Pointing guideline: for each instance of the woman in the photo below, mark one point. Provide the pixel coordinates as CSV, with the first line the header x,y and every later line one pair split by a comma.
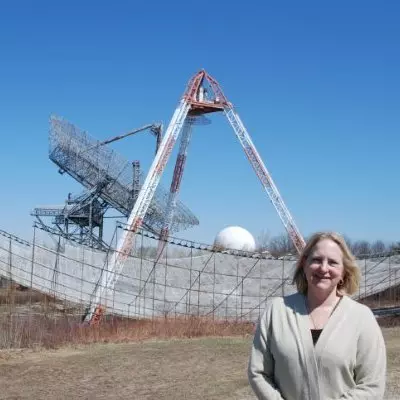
x,y
319,344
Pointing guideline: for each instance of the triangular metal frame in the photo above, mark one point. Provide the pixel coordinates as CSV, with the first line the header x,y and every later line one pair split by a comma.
x,y
195,101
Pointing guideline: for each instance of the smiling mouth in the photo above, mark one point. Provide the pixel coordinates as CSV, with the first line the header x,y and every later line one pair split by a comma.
x,y
321,277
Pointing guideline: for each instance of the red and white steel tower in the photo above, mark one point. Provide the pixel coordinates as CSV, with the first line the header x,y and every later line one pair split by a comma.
x,y
203,95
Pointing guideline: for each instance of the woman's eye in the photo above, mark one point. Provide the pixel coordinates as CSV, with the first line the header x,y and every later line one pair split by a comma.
x,y
334,263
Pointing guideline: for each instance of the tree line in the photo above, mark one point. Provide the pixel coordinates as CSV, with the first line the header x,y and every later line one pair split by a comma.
x,y
282,245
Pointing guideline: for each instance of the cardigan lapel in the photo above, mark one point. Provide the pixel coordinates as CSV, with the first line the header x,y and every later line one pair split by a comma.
x,y
310,354
331,325
307,347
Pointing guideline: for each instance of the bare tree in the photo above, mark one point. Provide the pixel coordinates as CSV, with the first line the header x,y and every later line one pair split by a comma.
x,y
281,245
378,247
395,246
361,248
263,241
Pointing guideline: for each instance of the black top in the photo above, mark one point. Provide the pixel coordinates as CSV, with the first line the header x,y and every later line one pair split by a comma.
x,y
315,334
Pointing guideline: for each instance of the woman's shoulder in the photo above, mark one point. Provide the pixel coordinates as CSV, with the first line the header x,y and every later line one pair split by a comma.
x,y
293,301
360,311
357,307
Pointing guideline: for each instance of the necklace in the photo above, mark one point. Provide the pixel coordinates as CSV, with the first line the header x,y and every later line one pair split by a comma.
x,y
312,319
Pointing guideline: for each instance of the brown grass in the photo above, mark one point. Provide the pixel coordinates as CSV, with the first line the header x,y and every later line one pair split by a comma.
x,y
202,368
392,339
14,295
49,332
389,321
143,359
30,319
205,368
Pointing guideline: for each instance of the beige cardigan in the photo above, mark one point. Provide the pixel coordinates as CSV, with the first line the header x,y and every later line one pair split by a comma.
x,y
347,362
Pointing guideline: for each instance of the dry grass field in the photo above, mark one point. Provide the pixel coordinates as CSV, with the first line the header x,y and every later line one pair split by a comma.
x,y
46,353
206,368
392,338
202,368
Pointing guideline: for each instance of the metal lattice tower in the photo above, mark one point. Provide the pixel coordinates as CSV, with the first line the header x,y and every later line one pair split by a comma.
x,y
94,165
80,219
203,95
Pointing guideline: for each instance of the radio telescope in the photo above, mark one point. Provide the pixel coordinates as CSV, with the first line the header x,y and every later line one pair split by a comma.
x,y
111,182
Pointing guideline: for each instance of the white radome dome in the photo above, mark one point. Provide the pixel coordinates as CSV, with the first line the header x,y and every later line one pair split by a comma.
x,y
235,238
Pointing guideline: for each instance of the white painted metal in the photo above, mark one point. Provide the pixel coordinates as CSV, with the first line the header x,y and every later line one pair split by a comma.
x,y
126,242
147,191
265,177
176,182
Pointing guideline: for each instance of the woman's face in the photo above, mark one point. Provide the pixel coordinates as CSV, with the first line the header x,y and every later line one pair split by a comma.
x,y
324,267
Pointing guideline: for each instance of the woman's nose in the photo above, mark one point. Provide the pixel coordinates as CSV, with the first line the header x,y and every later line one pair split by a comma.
x,y
324,265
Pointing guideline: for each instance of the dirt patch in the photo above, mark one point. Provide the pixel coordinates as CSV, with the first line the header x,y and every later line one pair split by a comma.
x,y
206,368
392,338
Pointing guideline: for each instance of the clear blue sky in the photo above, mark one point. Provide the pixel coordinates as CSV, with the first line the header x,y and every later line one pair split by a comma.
x,y
316,84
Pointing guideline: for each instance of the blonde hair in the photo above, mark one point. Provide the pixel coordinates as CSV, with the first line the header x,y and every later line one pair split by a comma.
x,y
351,277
